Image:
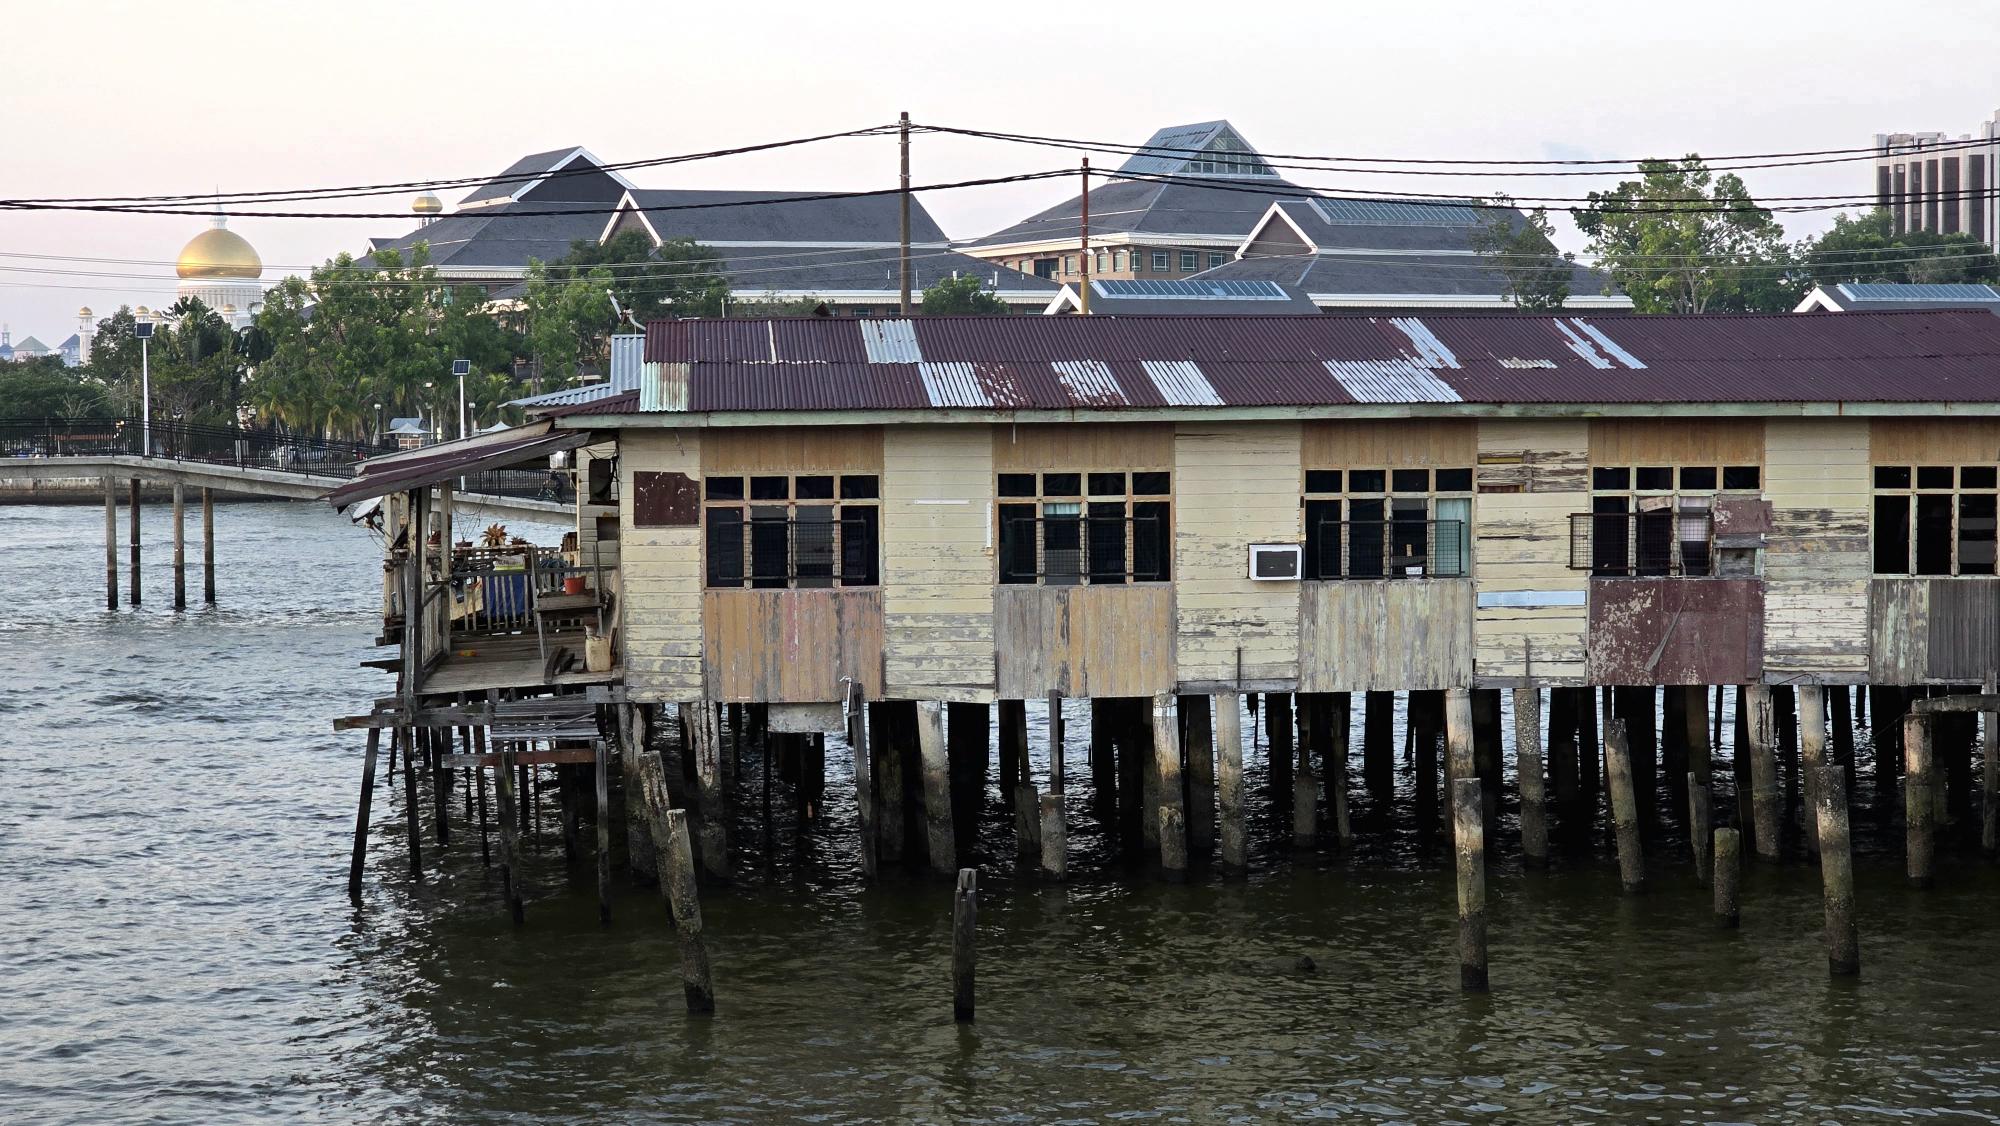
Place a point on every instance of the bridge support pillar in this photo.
(208, 545)
(132, 597)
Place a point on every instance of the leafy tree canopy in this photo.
(1523, 249)
(44, 388)
(961, 294)
(1681, 239)
(1865, 248)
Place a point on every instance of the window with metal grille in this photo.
(778, 531)
(1648, 520)
(1387, 523)
(1935, 519)
(1069, 529)
(1190, 260)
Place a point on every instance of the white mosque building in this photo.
(222, 269)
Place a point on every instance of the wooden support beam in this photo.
(705, 729)
(1812, 755)
(360, 855)
(1701, 825)
(603, 831)
(1624, 805)
(858, 736)
(1167, 770)
(1919, 808)
(697, 983)
(411, 828)
(132, 536)
(964, 943)
(886, 737)
(1197, 723)
(1469, 849)
(504, 778)
(1528, 765)
(110, 544)
(1728, 876)
(1459, 763)
(1229, 779)
(180, 546)
(1836, 871)
(937, 787)
(1766, 802)
(1055, 837)
(208, 545)
(1337, 708)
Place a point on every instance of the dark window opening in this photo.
(1152, 484)
(1742, 477)
(725, 547)
(1892, 476)
(1321, 556)
(1656, 479)
(1017, 543)
(1610, 536)
(860, 487)
(1017, 484)
(1977, 477)
(725, 488)
(1062, 484)
(1934, 476)
(813, 488)
(1107, 542)
(770, 546)
(1107, 484)
(1892, 535)
(770, 488)
(1367, 481)
(1698, 478)
(1454, 480)
(1322, 480)
(1933, 533)
(860, 545)
(1152, 546)
(1366, 539)
(1410, 481)
(1610, 478)
(1976, 533)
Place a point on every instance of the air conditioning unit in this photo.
(1275, 562)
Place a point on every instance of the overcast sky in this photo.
(104, 98)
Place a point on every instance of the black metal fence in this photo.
(1662, 542)
(1386, 549)
(268, 448)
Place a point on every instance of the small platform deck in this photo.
(478, 662)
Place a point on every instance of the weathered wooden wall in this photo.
(1084, 640)
(791, 646)
(1385, 635)
(1676, 631)
(1082, 447)
(1234, 486)
(1816, 559)
(589, 550)
(1531, 609)
(1934, 441)
(660, 576)
(1934, 630)
(1389, 444)
(1677, 441)
(731, 451)
(938, 575)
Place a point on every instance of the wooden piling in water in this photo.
(1469, 848)
(1766, 802)
(1528, 765)
(180, 546)
(360, 855)
(132, 534)
(1013, 745)
(1562, 750)
(1172, 812)
(208, 545)
(885, 749)
(110, 544)
(1836, 871)
(1919, 808)
(697, 984)
(410, 826)
(1336, 710)
(705, 728)
(1378, 744)
(858, 739)
(603, 830)
(479, 785)
(1458, 761)
(1699, 780)
(1989, 775)
(964, 943)
(937, 787)
(504, 779)
(439, 741)
(1197, 723)
(1624, 805)
(1812, 756)
(1728, 876)
(1229, 779)
(1701, 825)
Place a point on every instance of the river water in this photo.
(176, 944)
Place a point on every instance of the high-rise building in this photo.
(1935, 182)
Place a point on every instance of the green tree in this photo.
(960, 294)
(44, 388)
(1865, 248)
(569, 303)
(1681, 239)
(1523, 249)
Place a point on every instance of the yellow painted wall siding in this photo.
(938, 563)
(1816, 561)
(1234, 485)
(1522, 545)
(659, 605)
(589, 550)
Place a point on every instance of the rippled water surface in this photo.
(176, 943)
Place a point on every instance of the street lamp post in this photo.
(142, 327)
(378, 424)
(461, 369)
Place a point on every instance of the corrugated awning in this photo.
(421, 468)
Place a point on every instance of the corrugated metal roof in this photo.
(1056, 363)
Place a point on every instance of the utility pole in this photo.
(903, 260)
(1083, 290)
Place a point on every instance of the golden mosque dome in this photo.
(427, 204)
(219, 253)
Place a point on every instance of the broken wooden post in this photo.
(706, 730)
(361, 815)
(1167, 769)
(696, 983)
(1055, 837)
(1728, 873)
(1920, 811)
(1197, 723)
(1469, 834)
(208, 545)
(504, 781)
(1766, 802)
(1624, 805)
(1812, 755)
(180, 546)
(964, 943)
(937, 787)
(132, 598)
(1528, 764)
(1836, 871)
(603, 830)
(110, 544)
(1229, 778)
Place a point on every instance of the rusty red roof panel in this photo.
(1107, 362)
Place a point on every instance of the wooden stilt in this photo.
(1700, 770)
(411, 827)
(440, 741)
(1229, 779)
(1459, 762)
(1836, 871)
(1378, 745)
(1989, 776)
(1728, 875)
(1812, 756)
(937, 787)
(1055, 837)
(1766, 802)
(180, 546)
(1920, 810)
(603, 830)
(706, 728)
(208, 545)
(1305, 783)
(1701, 821)
(1338, 715)
(360, 856)
(640, 859)
(132, 536)
(504, 797)
(1562, 749)
(1469, 848)
(1197, 723)
(964, 943)
(1172, 813)
(697, 984)
(891, 726)
(110, 544)
(1013, 744)
(1624, 805)
(858, 738)
(479, 784)
(1528, 763)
